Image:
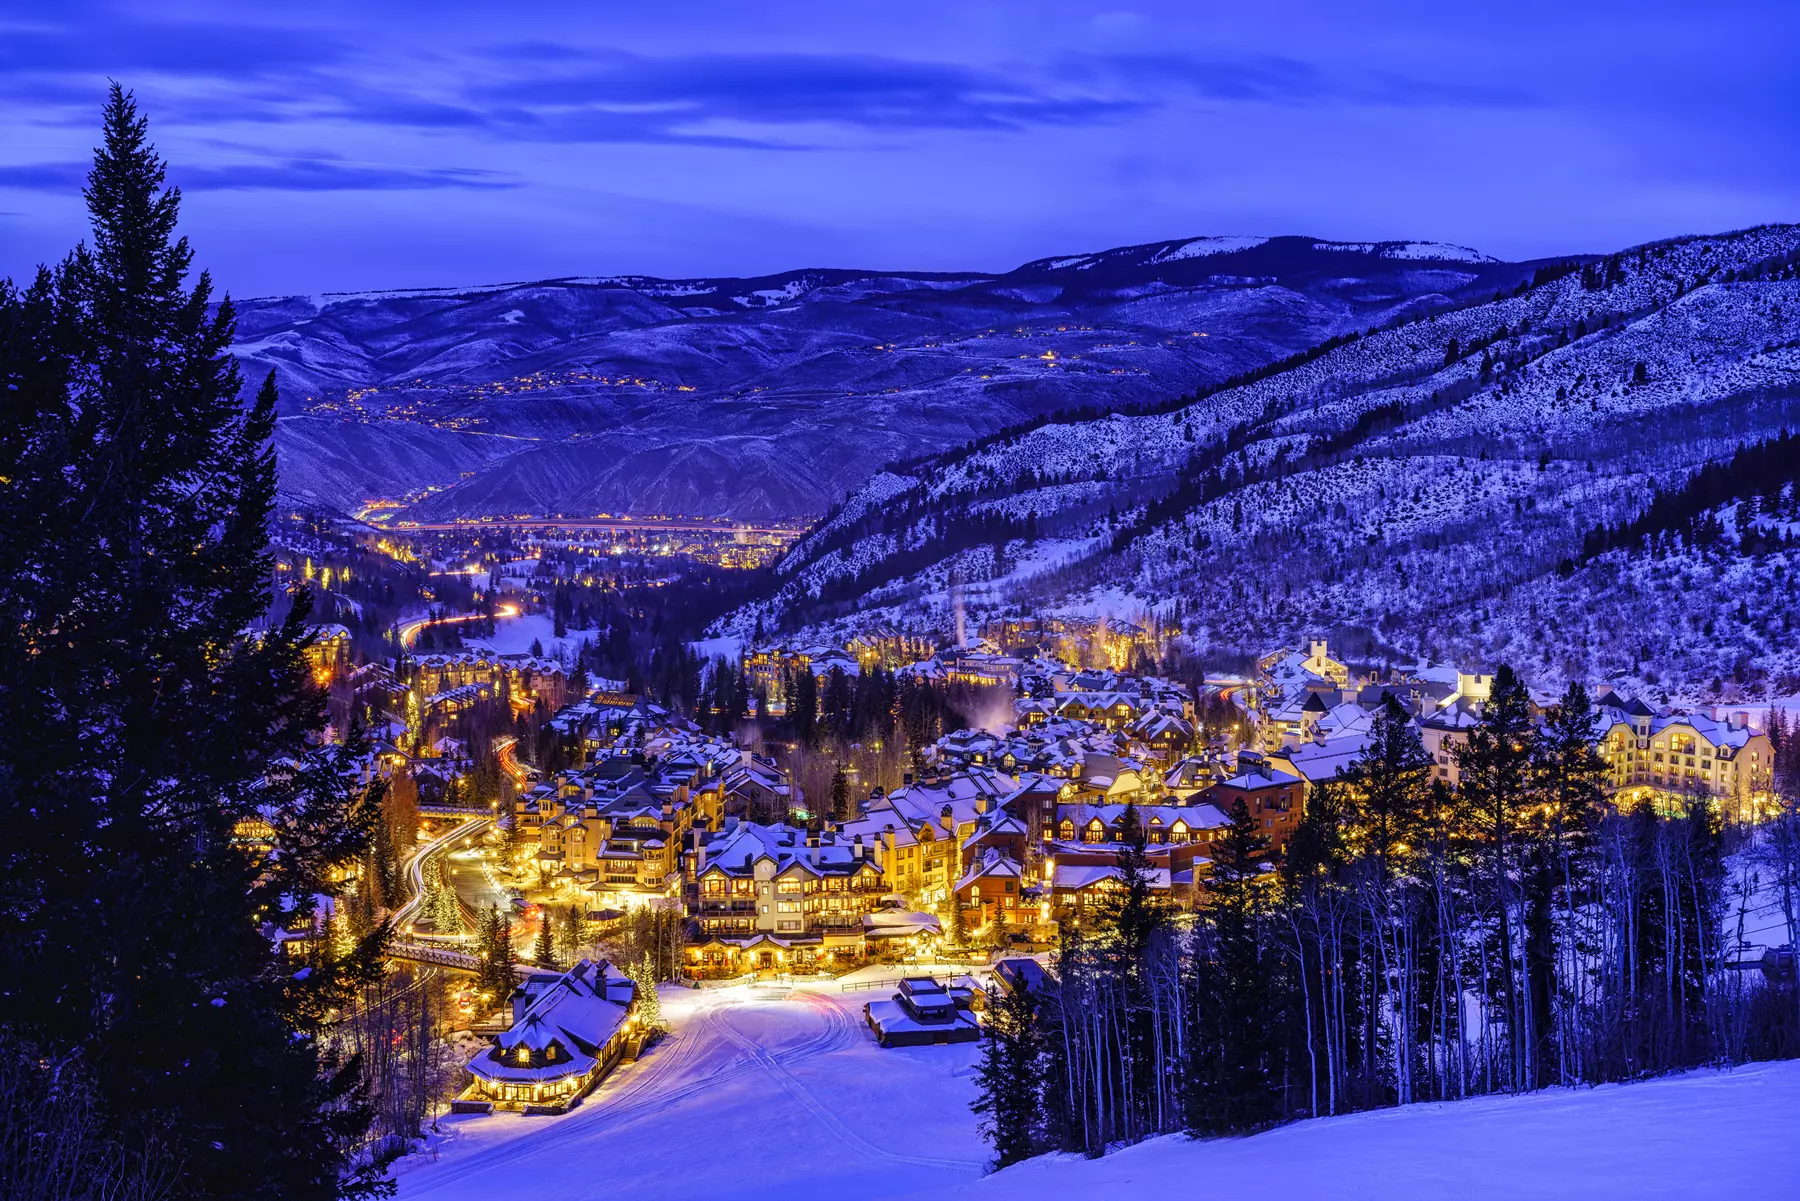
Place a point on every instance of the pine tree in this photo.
(569, 935)
(956, 927)
(142, 725)
(840, 796)
(494, 957)
(440, 906)
(543, 950)
(649, 1004)
(1010, 1076)
(1229, 1081)
(1496, 781)
(1570, 785)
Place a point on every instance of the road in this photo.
(626, 525)
(790, 1094)
(410, 631)
(415, 867)
(507, 754)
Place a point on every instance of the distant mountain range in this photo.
(775, 397)
(1431, 488)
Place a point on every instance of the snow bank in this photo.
(1706, 1134)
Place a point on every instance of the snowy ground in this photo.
(1707, 1134)
(514, 636)
(760, 1093)
(756, 1094)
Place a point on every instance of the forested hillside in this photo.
(1469, 484)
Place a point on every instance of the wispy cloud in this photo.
(120, 45)
(1271, 79)
(575, 93)
(288, 175)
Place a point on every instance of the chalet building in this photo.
(568, 1032)
(617, 827)
(999, 831)
(524, 679)
(1079, 891)
(1164, 736)
(1113, 780)
(1080, 825)
(1275, 798)
(992, 889)
(1191, 776)
(755, 785)
(774, 897)
(1293, 689)
(1445, 733)
(1666, 758)
(937, 817)
(328, 654)
(887, 647)
(768, 668)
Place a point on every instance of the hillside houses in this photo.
(1020, 826)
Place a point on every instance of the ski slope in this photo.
(756, 1094)
(763, 1094)
(1703, 1135)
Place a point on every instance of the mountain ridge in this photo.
(618, 388)
(1413, 491)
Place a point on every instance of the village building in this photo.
(1666, 758)
(774, 897)
(568, 1032)
(1276, 799)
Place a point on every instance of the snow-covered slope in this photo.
(1707, 1134)
(775, 396)
(1421, 489)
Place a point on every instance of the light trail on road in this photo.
(410, 630)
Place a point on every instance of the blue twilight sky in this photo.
(340, 145)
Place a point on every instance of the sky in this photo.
(344, 146)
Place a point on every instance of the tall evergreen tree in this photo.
(1010, 1075)
(145, 733)
(1496, 781)
(1570, 784)
(494, 957)
(840, 796)
(1229, 1073)
(543, 949)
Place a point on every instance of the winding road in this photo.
(409, 632)
(415, 867)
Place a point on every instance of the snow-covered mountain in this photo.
(1423, 488)
(773, 397)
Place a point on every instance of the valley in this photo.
(772, 398)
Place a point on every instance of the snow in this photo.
(761, 1092)
(1429, 251)
(753, 1095)
(1706, 1134)
(514, 636)
(1440, 251)
(1201, 247)
(725, 646)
